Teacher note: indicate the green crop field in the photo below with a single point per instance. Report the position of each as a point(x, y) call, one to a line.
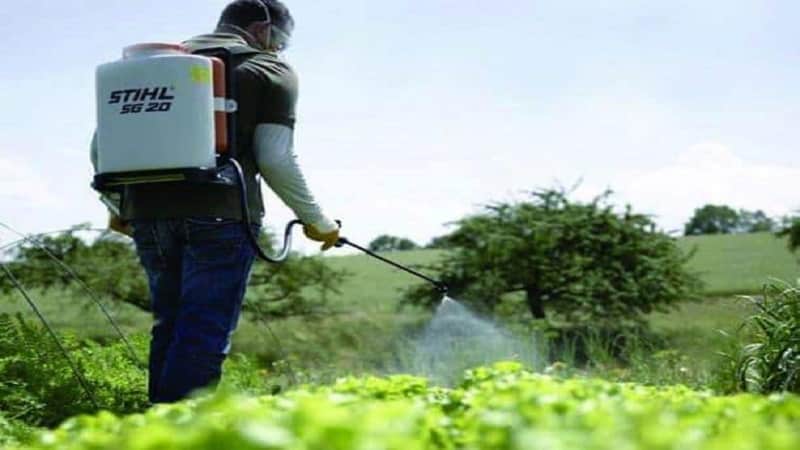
point(502, 407)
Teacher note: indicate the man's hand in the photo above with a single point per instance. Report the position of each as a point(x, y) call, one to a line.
point(119, 225)
point(329, 238)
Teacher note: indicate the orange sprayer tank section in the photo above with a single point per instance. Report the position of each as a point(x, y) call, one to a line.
point(220, 115)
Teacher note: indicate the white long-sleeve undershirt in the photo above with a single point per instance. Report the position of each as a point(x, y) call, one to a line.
point(274, 151)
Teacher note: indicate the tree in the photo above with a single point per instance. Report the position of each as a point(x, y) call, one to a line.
point(722, 219)
point(713, 219)
point(791, 230)
point(388, 243)
point(109, 266)
point(572, 261)
point(755, 222)
point(440, 243)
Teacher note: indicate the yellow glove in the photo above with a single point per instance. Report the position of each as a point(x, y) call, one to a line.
point(119, 225)
point(328, 239)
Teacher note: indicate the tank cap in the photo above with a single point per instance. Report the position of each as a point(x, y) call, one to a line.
point(153, 49)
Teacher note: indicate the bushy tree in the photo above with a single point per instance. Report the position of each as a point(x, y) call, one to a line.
point(712, 219)
point(109, 266)
point(573, 261)
point(388, 243)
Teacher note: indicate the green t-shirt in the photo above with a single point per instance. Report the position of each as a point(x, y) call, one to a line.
point(266, 92)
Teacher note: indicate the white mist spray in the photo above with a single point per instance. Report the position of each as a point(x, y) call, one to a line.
point(456, 339)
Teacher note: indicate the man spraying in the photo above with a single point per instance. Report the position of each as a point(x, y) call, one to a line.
point(189, 237)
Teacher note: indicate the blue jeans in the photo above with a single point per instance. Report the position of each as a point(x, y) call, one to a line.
point(197, 271)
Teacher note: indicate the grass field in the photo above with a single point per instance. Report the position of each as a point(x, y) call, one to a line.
point(374, 286)
point(741, 264)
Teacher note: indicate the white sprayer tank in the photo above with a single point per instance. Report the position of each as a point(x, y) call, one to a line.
point(155, 110)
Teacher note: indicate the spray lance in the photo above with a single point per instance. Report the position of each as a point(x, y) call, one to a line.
point(440, 286)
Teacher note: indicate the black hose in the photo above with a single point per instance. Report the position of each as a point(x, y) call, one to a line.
point(83, 286)
point(281, 257)
point(251, 236)
point(75, 371)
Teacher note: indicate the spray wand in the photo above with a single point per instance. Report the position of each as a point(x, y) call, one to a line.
point(441, 287)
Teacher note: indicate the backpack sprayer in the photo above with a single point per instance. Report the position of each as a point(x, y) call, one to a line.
point(167, 115)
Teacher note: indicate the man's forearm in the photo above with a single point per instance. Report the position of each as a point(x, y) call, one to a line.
point(278, 165)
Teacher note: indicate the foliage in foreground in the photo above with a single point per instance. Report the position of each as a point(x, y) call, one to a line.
point(578, 262)
point(13, 432)
point(503, 407)
point(771, 361)
point(38, 387)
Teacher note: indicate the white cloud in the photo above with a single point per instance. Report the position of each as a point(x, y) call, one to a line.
point(708, 172)
point(53, 194)
point(19, 181)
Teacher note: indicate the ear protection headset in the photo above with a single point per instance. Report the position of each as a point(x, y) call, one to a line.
point(278, 37)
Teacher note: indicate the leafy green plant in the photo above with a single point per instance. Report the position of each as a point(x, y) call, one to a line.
point(771, 361)
point(14, 432)
point(38, 387)
point(499, 407)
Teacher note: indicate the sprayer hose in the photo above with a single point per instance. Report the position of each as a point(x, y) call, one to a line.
point(251, 235)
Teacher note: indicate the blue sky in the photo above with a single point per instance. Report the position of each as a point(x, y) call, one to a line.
point(413, 113)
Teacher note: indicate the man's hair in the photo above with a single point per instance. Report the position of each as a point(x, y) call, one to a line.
point(244, 12)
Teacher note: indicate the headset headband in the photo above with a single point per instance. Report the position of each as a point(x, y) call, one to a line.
point(266, 11)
